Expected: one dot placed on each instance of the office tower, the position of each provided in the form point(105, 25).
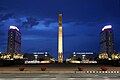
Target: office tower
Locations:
point(107, 40)
point(60, 42)
point(14, 40)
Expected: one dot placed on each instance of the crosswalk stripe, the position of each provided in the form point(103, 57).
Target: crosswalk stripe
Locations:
point(102, 71)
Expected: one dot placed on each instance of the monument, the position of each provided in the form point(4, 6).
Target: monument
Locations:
point(60, 43)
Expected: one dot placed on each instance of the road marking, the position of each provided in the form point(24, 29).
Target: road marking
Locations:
point(102, 72)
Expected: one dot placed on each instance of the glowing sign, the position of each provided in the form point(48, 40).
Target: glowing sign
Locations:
point(14, 27)
point(39, 52)
point(107, 27)
point(83, 53)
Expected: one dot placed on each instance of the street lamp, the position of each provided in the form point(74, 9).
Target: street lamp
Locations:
point(83, 56)
point(36, 56)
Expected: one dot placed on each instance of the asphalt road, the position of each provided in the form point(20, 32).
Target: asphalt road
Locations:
point(58, 79)
point(60, 75)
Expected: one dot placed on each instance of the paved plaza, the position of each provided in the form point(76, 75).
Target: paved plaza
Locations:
point(58, 71)
point(59, 67)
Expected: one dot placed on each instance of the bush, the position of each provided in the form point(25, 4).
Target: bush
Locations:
point(80, 69)
point(104, 68)
point(43, 69)
point(21, 68)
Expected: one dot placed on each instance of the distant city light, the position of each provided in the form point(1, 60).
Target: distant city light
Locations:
point(14, 27)
point(107, 27)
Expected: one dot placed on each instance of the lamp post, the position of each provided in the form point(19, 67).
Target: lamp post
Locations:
point(36, 57)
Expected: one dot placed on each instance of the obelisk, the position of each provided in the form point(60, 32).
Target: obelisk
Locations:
point(60, 43)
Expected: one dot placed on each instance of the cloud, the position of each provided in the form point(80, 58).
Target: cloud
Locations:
point(30, 22)
point(47, 27)
point(42, 26)
point(38, 35)
point(31, 37)
point(5, 16)
point(48, 21)
point(38, 23)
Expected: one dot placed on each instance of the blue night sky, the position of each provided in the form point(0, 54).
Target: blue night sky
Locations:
point(38, 23)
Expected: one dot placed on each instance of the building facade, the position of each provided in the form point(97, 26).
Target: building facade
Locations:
point(14, 40)
point(38, 56)
point(107, 40)
point(82, 56)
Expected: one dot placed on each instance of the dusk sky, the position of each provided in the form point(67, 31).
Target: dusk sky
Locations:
point(37, 20)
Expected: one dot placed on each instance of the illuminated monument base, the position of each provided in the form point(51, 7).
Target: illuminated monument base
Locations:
point(60, 58)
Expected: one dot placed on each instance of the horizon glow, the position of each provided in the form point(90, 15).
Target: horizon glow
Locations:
point(107, 27)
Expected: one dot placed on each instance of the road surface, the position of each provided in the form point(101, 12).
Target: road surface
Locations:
point(60, 75)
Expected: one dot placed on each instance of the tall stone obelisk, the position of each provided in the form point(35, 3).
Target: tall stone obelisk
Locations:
point(60, 42)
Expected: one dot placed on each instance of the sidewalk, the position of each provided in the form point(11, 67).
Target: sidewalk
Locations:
point(60, 72)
